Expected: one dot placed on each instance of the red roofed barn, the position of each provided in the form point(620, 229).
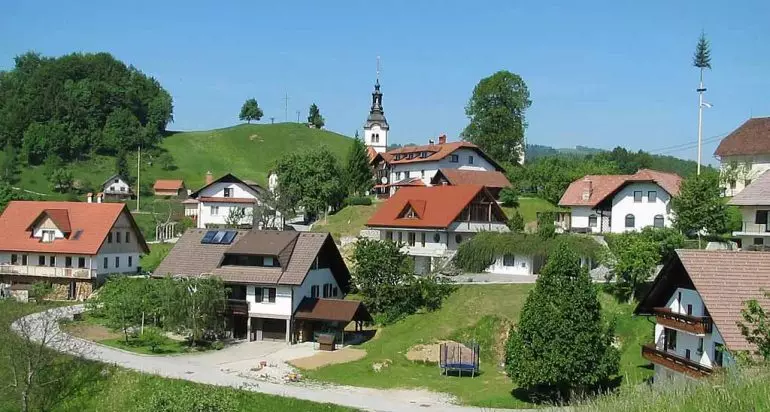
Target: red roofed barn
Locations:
point(169, 187)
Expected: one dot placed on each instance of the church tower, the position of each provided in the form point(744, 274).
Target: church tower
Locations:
point(376, 127)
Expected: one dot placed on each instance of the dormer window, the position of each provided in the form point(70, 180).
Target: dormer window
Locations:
point(228, 192)
point(48, 236)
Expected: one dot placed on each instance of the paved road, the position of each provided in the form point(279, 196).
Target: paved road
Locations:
point(196, 368)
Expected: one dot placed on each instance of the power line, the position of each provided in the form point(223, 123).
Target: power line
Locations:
point(686, 145)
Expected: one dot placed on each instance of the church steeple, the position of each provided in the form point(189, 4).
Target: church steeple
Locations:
point(376, 127)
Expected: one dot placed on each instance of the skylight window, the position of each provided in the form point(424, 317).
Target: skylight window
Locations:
point(219, 237)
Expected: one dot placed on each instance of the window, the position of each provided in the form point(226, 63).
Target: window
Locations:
point(109, 237)
point(52, 261)
point(400, 237)
point(687, 354)
point(718, 354)
point(81, 262)
point(759, 241)
point(454, 158)
point(669, 339)
point(117, 237)
point(699, 351)
point(122, 188)
point(422, 239)
point(112, 188)
point(228, 192)
point(314, 291)
point(410, 238)
point(335, 292)
point(658, 221)
point(258, 295)
point(128, 237)
point(106, 263)
point(14, 259)
point(760, 217)
point(458, 239)
point(436, 237)
point(509, 260)
point(328, 289)
point(41, 260)
point(637, 196)
point(271, 295)
point(592, 221)
point(130, 261)
point(117, 262)
point(68, 262)
point(267, 261)
point(689, 310)
point(422, 174)
point(48, 235)
point(389, 235)
point(214, 210)
point(652, 196)
point(24, 260)
point(470, 160)
point(630, 221)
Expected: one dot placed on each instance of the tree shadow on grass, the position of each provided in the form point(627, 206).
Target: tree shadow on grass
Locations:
point(551, 396)
point(69, 378)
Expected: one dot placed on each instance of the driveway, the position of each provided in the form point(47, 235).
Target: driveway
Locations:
point(227, 368)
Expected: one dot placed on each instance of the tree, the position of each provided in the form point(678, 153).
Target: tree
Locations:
point(509, 197)
point(250, 111)
point(61, 180)
point(561, 344)
point(667, 239)
point(41, 290)
point(755, 326)
point(358, 173)
point(516, 222)
point(702, 57)
point(7, 194)
point(9, 167)
point(310, 180)
point(699, 207)
point(270, 211)
point(634, 256)
point(198, 307)
point(121, 166)
point(121, 302)
point(496, 112)
point(166, 161)
point(314, 117)
point(122, 132)
point(235, 216)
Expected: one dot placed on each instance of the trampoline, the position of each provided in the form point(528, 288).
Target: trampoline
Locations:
point(459, 358)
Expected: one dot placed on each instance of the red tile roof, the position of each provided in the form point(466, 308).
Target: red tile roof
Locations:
point(751, 138)
point(492, 179)
point(163, 184)
point(412, 181)
point(89, 225)
point(59, 217)
point(602, 186)
point(434, 152)
point(437, 206)
point(337, 310)
point(226, 199)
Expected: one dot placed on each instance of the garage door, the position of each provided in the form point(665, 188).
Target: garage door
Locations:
point(274, 329)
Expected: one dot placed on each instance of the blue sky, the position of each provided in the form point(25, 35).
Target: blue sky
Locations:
point(600, 74)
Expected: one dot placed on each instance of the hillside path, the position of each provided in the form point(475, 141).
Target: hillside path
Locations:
point(195, 368)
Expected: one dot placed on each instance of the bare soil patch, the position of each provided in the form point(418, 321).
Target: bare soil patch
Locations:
point(321, 359)
point(430, 353)
point(94, 333)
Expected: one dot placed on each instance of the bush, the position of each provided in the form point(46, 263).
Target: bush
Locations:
point(509, 197)
point(516, 223)
point(152, 338)
point(358, 201)
point(40, 290)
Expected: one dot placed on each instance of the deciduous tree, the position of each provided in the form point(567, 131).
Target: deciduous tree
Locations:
point(699, 206)
point(310, 180)
point(250, 111)
point(755, 326)
point(314, 117)
point(509, 197)
point(497, 116)
point(634, 256)
point(198, 307)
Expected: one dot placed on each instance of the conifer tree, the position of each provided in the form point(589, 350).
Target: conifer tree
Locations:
point(561, 344)
point(358, 174)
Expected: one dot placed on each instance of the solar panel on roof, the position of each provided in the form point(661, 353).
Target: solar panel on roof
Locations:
point(209, 236)
point(228, 238)
point(218, 237)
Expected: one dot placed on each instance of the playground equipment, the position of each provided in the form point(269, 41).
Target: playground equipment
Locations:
point(456, 357)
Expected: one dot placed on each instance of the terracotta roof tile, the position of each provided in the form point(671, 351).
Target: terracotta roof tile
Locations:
point(410, 181)
point(491, 179)
point(755, 194)
point(226, 199)
point(751, 138)
point(165, 184)
point(305, 250)
point(91, 220)
point(439, 206)
point(602, 186)
point(434, 152)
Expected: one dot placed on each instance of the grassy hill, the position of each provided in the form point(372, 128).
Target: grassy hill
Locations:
point(247, 150)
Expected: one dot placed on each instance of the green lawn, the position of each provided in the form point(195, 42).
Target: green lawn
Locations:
point(92, 386)
point(474, 312)
point(169, 346)
point(347, 222)
point(529, 206)
point(158, 252)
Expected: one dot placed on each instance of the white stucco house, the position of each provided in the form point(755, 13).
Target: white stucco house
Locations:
point(116, 187)
point(72, 245)
point(619, 203)
point(744, 155)
point(432, 222)
point(754, 204)
point(696, 301)
point(285, 286)
point(212, 205)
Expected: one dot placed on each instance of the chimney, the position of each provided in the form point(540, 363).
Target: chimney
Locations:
point(99, 197)
point(209, 177)
point(442, 139)
point(90, 197)
point(587, 188)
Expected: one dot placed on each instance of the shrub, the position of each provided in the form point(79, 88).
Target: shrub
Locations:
point(40, 290)
point(516, 223)
point(358, 201)
point(152, 338)
point(509, 197)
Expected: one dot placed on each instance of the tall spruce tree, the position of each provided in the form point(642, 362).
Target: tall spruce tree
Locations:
point(314, 117)
point(702, 57)
point(358, 174)
point(561, 344)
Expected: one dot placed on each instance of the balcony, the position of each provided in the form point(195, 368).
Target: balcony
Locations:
point(47, 271)
point(674, 362)
point(698, 325)
point(751, 228)
point(237, 307)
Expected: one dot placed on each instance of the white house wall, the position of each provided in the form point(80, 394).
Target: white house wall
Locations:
point(281, 308)
point(318, 277)
point(644, 211)
point(579, 218)
point(522, 265)
point(205, 215)
point(759, 164)
point(382, 144)
point(400, 171)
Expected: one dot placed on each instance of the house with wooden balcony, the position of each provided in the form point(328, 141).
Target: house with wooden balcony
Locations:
point(754, 204)
point(695, 302)
point(283, 285)
point(68, 244)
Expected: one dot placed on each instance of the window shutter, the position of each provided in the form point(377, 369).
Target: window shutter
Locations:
point(258, 295)
point(271, 295)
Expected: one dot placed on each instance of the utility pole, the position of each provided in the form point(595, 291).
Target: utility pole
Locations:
point(702, 60)
point(297, 116)
point(286, 108)
point(272, 120)
point(138, 170)
point(700, 91)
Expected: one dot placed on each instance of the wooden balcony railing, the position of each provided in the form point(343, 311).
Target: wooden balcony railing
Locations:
point(698, 325)
point(674, 362)
point(47, 271)
point(237, 306)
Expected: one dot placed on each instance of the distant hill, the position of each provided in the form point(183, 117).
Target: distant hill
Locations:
point(247, 150)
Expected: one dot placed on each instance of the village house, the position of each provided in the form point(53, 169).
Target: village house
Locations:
point(754, 204)
point(618, 203)
point(286, 286)
point(433, 221)
point(116, 187)
point(220, 201)
point(493, 180)
point(169, 187)
point(744, 155)
point(696, 302)
point(69, 244)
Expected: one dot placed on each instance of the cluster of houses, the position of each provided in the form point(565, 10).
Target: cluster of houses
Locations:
point(290, 286)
